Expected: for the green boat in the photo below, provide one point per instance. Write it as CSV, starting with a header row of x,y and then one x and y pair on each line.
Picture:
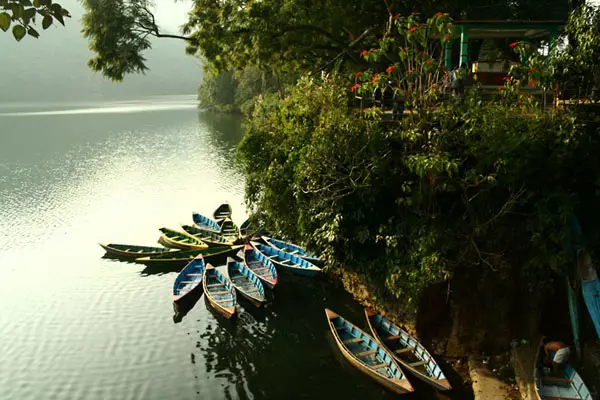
x,y
222,212
180,240
133,251
229,230
209,237
184,257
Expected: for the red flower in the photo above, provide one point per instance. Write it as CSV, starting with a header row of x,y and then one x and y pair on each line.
x,y
490,103
375,77
532,70
448,36
519,102
439,14
428,62
390,69
409,72
396,16
380,39
363,53
353,88
506,78
411,30
359,73
499,88
513,45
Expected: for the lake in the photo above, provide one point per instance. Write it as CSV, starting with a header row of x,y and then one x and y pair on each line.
x,y
75,325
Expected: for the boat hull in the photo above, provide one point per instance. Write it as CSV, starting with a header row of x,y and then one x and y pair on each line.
x,y
287,262
189,280
399,386
290,248
247,284
184,257
140,251
214,300
440,382
251,258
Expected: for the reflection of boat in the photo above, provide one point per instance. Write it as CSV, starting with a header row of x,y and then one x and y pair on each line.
x,y
208,236
287,261
219,291
568,386
229,230
246,282
183,257
133,251
188,279
222,212
205,222
409,353
367,355
292,249
180,240
261,266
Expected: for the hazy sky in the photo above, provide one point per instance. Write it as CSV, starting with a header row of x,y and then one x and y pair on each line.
x,y
53,67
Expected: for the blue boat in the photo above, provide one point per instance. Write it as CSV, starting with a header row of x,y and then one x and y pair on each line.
x,y
246,282
293,249
261,266
287,261
189,279
219,292
205,222
407,351
368,356
568,386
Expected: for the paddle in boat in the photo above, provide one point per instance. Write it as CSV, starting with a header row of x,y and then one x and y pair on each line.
x,y
208,236
261,266
219,291
222,212
180,240
409,353
189,279
204,222
229,230
367,355
567,386
293,249
287,261
133,251
184,257
246,282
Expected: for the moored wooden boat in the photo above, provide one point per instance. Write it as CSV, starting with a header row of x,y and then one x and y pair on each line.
x,y
184,257
293,249
229,230
244,227
287,261
189,279
219,291
567,386
180,240
367,355
205,222
246,282
208,236
222,212
261,266
409,353
133,251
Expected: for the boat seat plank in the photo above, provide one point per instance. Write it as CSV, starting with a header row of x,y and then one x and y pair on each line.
x,y
391,338
194,274
260,269
404,350
215,285
417,364
552,379
294,252
188,281
353,340
379,366
223,300
220,293
284,262
340,328
366,353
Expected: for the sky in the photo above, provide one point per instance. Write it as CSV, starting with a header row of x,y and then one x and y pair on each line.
x,y
53,67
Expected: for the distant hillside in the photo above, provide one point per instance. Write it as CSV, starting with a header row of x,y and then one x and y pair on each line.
x,y
53,67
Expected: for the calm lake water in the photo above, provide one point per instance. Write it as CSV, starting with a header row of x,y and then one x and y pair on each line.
x,y
75,325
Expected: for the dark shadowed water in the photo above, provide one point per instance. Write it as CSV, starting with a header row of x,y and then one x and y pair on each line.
x,y
75,325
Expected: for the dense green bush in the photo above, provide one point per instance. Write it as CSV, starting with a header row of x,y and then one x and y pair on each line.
x,y
462,186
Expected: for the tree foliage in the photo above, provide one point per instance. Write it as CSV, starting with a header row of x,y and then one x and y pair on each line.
x,y
472,185
23,15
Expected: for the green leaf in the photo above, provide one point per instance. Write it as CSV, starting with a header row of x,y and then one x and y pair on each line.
x,y
28,14
17,10
60,19
46,22
45,2
4,21
19,32
36,3
56,9
33,32
26,3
